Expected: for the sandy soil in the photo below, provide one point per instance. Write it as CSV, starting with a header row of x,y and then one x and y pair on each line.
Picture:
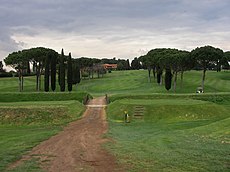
x,y
78,146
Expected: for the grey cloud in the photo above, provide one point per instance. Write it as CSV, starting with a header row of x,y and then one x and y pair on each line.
x,y
112,20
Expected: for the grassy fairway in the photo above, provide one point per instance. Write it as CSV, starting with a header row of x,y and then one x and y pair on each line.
x,y
132,82
136,82
174,135
25,124
179,132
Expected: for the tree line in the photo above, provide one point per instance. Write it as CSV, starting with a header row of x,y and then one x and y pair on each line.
x,y
167,61
174,61
45,62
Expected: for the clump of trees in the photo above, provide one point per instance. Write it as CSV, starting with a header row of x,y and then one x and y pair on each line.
x,y
205,57
166,65
21,61
44,61
174,61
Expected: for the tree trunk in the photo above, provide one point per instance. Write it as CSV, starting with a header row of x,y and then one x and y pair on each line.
x,y
203,78
154,73
181,77
22,82
93,73
19,81
161,82
149,72
37,81
34,67
38,77
175,79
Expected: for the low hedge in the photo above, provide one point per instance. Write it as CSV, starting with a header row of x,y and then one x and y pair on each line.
x,y
42,96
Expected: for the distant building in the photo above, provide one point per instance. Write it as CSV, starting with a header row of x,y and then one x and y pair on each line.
x,y
110,66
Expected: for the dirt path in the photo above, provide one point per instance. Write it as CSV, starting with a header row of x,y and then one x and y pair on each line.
x,y
78,146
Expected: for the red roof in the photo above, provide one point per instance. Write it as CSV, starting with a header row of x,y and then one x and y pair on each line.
x,y
110,66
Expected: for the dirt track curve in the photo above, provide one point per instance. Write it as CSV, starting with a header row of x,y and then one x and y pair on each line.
x,y
78,146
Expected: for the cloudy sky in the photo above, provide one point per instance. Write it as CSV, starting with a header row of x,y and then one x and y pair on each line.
x,y
113,28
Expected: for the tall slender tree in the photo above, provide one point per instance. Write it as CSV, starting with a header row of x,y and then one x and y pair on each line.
x,y
76,73
69,73
62,71
47,72
53,71
159,75
168,79
127,64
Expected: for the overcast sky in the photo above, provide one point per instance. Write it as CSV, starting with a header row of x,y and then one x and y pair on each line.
x,y
113,28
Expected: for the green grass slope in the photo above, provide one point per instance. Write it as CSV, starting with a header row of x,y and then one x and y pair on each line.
x,y
136,82
25,124
41,96
174,135
132,82
179,132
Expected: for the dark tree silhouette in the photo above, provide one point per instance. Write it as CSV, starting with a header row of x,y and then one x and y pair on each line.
x,y
47,72
62,71
69,73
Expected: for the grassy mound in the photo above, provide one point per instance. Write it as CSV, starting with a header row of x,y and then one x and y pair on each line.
x,y
23,125
42,113
169,109
174,135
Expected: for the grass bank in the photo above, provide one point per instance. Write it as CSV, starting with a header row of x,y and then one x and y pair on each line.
x,y
174,135
132,82
41,96
136,82
23,125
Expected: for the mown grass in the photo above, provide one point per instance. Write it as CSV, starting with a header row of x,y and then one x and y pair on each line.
x,y
132,82
179,132
25,124
136,82
29,117
43,96
174,135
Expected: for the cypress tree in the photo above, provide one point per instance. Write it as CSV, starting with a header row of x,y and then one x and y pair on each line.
x,y
47,71
168,79
127,64
69,73
53,71
74,73
159,73
62,72
76,78
59,71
